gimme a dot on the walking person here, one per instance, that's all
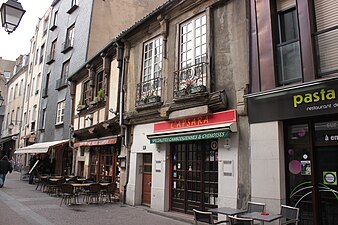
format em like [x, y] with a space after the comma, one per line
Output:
[5, 167]
[32, 173]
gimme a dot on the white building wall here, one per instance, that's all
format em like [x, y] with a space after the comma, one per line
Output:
[227, 185]
[267, 164]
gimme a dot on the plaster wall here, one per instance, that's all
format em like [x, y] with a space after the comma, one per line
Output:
[267, 164]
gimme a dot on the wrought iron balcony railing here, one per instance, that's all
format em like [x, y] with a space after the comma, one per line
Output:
[190, 80]
[149, 92]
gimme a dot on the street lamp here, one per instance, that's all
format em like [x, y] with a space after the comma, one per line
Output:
[11, 14]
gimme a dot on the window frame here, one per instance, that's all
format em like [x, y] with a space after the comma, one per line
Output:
[60, 112]
[280, 43]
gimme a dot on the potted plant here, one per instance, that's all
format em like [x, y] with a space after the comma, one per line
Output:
[80, 106]
[99, 96]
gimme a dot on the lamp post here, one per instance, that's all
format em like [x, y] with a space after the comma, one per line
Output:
[11, 14]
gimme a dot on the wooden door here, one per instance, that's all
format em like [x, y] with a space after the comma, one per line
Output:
[146, 187]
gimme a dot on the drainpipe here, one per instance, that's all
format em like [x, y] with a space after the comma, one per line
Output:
[124, 128]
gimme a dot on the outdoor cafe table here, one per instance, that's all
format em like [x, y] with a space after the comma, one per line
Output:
[227, 211]
[262, 218]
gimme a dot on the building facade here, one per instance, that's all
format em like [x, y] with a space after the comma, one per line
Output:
[186, 73]
[293, 107]
[95, 93]
[13, 116]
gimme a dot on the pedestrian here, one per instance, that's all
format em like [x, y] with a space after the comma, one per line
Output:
[5, 167]
[32, 170]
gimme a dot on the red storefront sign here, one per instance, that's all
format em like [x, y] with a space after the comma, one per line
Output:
[197, 121]
[96, 142]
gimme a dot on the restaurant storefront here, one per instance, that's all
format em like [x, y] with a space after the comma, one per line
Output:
[97, 159]
[191, 159]
[300, 128]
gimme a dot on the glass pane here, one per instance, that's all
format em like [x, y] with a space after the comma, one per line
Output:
[298, 134]
[288, 26]
[289, 64]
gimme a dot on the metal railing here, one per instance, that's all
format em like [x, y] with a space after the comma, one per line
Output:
[149, 92]
[190, 80]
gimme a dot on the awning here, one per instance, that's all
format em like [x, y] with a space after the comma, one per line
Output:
[42, 147]
[209, 132]
[97, 142]
[6, 139]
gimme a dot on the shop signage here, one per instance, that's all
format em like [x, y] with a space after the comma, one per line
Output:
[191, 137]
[312, 99]
[330, 178]
[110, 141]
[199, 121]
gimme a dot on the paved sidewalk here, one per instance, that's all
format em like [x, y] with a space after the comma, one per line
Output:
[21, 204]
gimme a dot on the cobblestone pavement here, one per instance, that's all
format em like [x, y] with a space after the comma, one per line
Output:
[21, 204]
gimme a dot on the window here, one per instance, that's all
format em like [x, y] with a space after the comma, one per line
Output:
[65, 70]
[326, 36]
[37, 84]
[7, 74]
[43, 121]
[32, 86]
[62, 82]
[45, 89]
[16, 91]
[17, 116]
[45, 26]
[87, 93]
[68, 44]
[11, 95]
[55, 19]
[193, 39]
[74, 5]
[152, 65]
[27, 94]
[60, 112]
[288, 58]
[51, 56]
[41, 53]
[21, 88]
[99, 85]
[74, 2]
[34, 112]
[191, 76]
[36, 56]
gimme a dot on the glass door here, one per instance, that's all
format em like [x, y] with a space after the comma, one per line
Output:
[194, 176]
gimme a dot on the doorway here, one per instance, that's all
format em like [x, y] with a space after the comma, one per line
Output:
[311, 170]
[194, 175]
[146, 181]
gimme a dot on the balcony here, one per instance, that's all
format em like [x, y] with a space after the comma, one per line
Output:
[50, 59]
[327, 48]
[148, 93]
[61, 83]
[72, 8]
[190, 81]
[53, 27]
[67, 45]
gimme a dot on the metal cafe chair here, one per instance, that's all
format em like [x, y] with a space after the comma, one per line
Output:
[256, 207]
[240, 221]
[290, 215]
[206, 217]
[67, 194]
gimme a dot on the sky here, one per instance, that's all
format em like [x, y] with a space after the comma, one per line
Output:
[18, 42]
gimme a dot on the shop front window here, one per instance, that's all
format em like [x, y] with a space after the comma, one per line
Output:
[103, 164]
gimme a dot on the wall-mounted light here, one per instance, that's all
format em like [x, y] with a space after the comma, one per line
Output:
[11, 14]
[227, 142]
[11, 125]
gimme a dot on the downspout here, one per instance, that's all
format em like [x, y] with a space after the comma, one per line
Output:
[71, 125]
[124, 129]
